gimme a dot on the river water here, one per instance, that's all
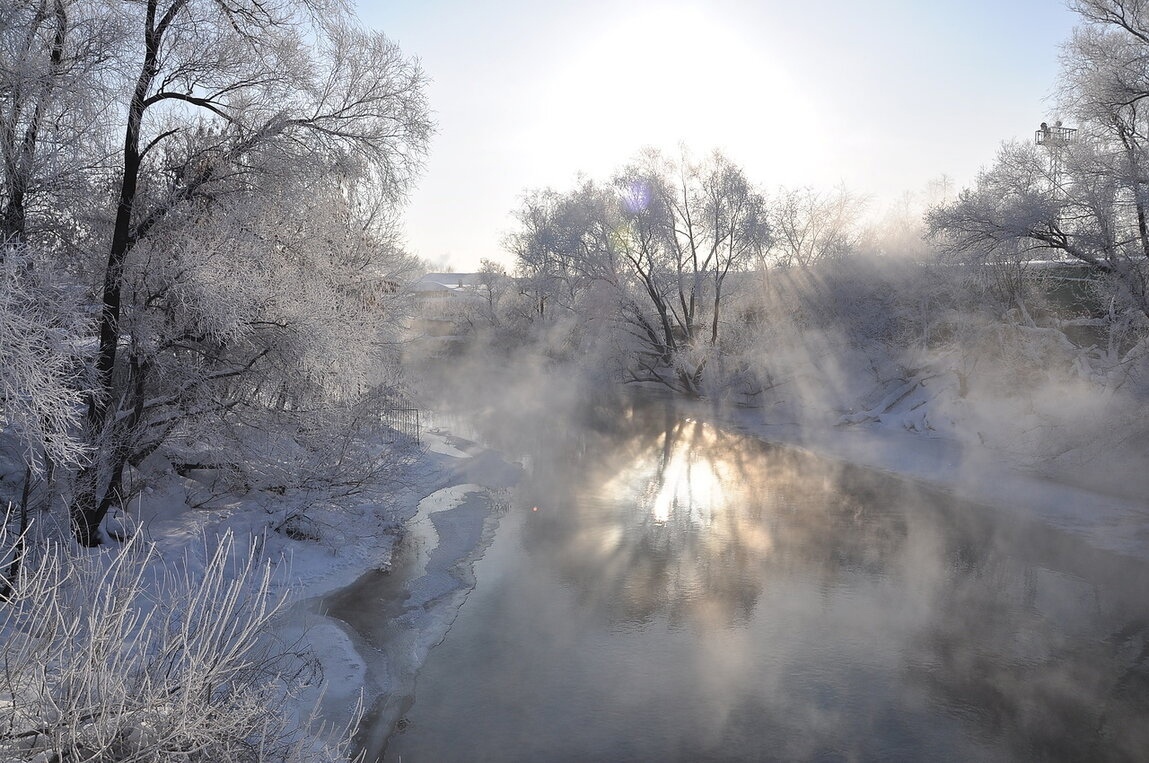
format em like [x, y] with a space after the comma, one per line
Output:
[662, 590]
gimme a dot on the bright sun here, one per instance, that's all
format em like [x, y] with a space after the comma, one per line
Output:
[675, 76]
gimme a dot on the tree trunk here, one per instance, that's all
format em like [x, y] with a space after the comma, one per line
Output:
[19, 155]
[88, 505]
[717, 305]
[9, 578]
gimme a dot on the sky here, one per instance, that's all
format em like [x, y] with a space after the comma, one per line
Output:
[882, 97]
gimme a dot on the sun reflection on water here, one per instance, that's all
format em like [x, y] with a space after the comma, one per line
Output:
[693, 488]
[680, 518]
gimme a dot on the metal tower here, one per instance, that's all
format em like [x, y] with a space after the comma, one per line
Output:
[1056, 140]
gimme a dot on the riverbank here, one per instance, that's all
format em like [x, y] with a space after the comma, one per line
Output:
[443, 503]
[372, 633]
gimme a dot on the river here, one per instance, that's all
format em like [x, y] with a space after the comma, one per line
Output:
[660, 589]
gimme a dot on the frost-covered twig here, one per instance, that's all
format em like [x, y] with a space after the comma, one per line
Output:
[116, 655]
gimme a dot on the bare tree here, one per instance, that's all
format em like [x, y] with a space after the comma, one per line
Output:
[553, 247]
[228, 98]
[662, 237]
[493, 284]
[740, 231]
[813, 226]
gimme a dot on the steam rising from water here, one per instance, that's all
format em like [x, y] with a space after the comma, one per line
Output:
[821, 608]
[684, 593]
[883, 344]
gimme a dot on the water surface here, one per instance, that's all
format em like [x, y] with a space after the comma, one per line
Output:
[663, 590]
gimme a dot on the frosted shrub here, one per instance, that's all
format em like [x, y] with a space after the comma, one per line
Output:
[114, 656]
[40, 376]
[332, 455]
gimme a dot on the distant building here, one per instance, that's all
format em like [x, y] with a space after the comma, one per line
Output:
[446, 305]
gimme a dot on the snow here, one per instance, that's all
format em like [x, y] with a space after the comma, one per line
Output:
[442, 446]
[448, 527]
[448, 522]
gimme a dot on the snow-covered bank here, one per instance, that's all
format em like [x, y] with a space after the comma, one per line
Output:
[433, 520]
[389, 621]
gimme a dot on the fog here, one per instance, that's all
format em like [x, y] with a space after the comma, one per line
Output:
[694, 566]
[1044, 379]
[663, 588]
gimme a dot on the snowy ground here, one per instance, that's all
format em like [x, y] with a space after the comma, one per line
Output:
[444, 506]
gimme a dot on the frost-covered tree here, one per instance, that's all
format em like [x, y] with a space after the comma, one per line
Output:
[547, 244]
[57, 57]
[494, 283]
[1077, 195]
[226, 100]
[661, 238]
[708, 218]
[224, 175]
[812, 226]
[248, 318]
[41, 374]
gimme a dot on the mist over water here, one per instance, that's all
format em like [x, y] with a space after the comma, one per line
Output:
[663, 590]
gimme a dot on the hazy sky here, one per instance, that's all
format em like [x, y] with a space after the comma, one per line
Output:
[882, 96]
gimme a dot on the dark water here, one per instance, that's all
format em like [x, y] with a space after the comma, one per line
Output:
[663, 591]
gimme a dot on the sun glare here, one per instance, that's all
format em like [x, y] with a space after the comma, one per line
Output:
[672, 77]
[690, 489]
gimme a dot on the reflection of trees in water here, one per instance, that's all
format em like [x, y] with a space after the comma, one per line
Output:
[1052, 662]
[676, 517]
[1038, 645]
[1019, 641]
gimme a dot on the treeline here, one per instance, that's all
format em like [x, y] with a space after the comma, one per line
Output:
[671, 270]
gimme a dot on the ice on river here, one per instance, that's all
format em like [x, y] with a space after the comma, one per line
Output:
[433, 574]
